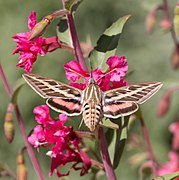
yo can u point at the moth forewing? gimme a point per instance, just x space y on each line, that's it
124 101
49 88
156 86
137 93
60 97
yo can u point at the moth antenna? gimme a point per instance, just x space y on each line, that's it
105 74
81 123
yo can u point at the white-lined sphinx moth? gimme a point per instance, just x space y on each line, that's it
92 102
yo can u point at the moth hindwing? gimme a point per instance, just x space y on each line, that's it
92 102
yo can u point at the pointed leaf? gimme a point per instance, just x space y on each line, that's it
107 44
71 5
63 32
121 136
16 90
172 176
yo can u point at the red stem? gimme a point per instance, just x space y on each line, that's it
105 155
76 44
167 14
149 148
74 37
22 128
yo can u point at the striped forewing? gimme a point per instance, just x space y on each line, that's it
60 97
92 102
124 101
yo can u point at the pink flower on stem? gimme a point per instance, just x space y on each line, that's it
174 128
62 141
112 78
171 166
29 50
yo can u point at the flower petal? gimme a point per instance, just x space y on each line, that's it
74 71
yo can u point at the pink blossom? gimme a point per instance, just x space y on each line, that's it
29 50
112 78
117 66
174 128
171 166
63 143
74 71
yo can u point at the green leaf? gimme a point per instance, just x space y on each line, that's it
16 90
107 44
63 32
72 5
171 176
121 136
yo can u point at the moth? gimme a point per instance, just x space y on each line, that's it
92 102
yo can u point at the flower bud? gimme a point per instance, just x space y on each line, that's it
164 104
175 58
40 27
176 19
21 167
151 20
9 125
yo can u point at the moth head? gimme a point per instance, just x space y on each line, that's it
92 81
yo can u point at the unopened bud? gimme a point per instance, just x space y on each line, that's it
175 58
21 167
164 104
176 19
151 20
9 125
40 27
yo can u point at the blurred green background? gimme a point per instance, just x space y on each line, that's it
148 57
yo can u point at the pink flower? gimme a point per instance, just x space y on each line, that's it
174 128
171 166
74 71
29 50
112 78
63 143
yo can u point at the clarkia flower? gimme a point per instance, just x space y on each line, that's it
112 78
63 143
30 49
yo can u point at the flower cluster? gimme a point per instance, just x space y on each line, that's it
61 140
30 49
112 78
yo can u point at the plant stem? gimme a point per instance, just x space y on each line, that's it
105 155
167 14
74 37
149 148
22 128
76 44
